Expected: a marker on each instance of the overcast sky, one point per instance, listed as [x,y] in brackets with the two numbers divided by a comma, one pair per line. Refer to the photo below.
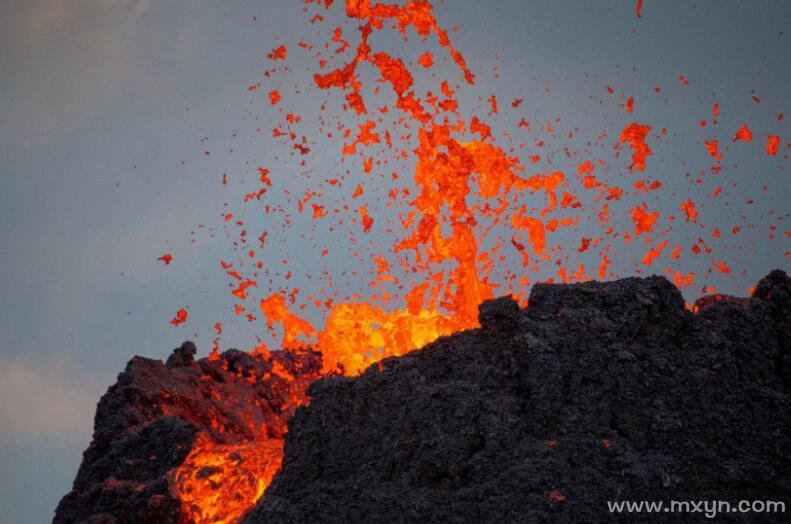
[107,107]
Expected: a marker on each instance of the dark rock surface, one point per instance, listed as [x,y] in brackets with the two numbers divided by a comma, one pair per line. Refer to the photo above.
[595,392]
[148,422]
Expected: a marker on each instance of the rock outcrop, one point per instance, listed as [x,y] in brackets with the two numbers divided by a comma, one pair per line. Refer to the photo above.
[158,417]
[595,392]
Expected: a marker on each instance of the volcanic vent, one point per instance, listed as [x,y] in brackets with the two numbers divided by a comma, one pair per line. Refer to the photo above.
[594,392]
[595,389]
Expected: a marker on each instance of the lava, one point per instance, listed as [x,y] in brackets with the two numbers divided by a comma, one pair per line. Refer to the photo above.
[744,134]
[474,221]
[215,478]
[244,404]
[635,135]
[179,318]
[772,144]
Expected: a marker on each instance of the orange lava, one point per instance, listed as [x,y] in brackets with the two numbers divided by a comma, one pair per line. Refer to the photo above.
[635,135]
[221,482]
[179,318]
[227,470]
[772,144]
[444,252]
[744,134]
[712,146]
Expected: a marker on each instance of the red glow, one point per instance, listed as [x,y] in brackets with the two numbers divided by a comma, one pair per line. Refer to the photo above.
[179,318]
[635,135]
[744,134]
[772,144]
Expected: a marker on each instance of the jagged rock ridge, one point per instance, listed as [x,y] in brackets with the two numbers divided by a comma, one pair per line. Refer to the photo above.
[594,392]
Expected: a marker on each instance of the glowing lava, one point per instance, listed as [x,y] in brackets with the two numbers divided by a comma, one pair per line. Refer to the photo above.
[221,482]
[473,223]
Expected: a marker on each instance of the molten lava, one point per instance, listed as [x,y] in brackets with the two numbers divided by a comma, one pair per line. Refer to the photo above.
[473,222]
[219,482]
[230,466]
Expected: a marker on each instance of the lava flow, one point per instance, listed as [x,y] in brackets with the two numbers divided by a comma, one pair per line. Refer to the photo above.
[245,408]
[474,221]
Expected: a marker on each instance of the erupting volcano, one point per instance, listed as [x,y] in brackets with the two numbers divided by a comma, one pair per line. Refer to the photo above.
[429,210]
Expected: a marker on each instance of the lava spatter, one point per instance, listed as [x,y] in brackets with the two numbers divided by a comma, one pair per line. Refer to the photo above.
[454,217]
[634,135]
[179,318]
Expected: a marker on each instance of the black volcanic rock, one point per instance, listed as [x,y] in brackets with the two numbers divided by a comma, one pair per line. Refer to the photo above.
[147,424]
[595,392]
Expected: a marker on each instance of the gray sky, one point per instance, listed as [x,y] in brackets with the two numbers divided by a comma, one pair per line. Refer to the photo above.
[107,107]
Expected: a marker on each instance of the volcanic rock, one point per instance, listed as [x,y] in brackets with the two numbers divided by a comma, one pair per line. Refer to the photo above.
[149,422]
[595,392]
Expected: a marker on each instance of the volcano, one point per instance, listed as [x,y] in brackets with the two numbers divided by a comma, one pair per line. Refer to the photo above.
[594,392]
[515,409]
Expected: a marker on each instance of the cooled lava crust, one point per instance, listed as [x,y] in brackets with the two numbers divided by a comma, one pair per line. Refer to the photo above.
[595,392]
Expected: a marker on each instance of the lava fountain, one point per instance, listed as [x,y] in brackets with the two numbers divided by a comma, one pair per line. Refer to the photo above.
[478,218]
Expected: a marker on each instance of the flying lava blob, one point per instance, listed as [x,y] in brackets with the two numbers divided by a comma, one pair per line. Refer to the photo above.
[434,204]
